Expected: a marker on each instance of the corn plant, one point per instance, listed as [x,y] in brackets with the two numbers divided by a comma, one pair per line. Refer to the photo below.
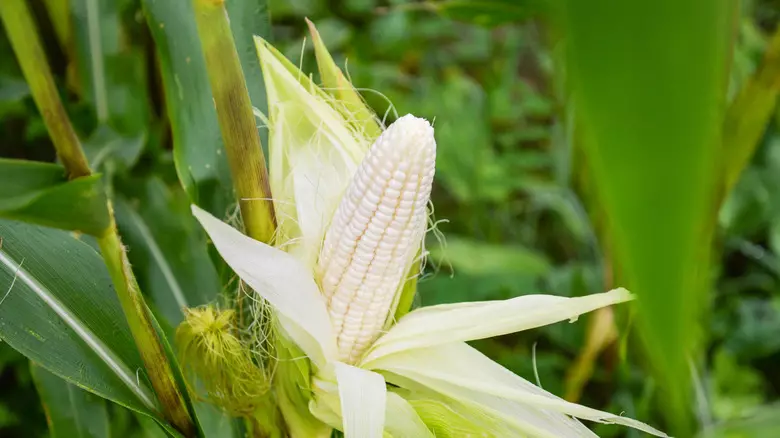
[313,332]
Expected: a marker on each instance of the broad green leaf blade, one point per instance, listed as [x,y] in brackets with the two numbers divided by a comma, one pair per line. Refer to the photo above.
[448,323]
[168,249]
[197,143]
[216,423]
[59,309]
[282,280]
[106,145]
[648,82]
[363,397]
[70,411]
[41,193]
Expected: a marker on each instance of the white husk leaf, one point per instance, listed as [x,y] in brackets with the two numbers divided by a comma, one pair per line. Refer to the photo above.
[461,372]
[493,416]
[282,280]
[363,396]
[446,323]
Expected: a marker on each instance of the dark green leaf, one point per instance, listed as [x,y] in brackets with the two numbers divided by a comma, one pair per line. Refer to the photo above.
[197,142]
[112,78]
[107,145]
[40,193]
[70,411]
[60,310]
[167,249]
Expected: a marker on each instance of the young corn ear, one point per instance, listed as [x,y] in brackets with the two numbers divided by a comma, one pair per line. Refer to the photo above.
[376,232]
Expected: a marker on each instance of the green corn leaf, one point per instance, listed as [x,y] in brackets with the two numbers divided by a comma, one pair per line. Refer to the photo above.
[41,193]
[198,150]
[70,411]
[168,249]
[648,84]
[112,78]
[59,310]
[111,74]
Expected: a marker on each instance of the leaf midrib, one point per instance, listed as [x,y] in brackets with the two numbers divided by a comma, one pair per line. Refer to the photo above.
[120,369]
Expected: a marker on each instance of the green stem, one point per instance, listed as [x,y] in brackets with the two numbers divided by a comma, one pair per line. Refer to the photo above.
[139,319]
[24,39]
[236,120]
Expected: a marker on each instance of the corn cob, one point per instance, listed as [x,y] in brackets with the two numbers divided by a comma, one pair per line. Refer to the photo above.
[376,232]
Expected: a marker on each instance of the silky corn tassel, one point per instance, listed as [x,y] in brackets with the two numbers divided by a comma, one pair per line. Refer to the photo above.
[376,232]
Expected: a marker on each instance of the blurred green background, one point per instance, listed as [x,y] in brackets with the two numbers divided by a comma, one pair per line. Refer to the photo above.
[512,199]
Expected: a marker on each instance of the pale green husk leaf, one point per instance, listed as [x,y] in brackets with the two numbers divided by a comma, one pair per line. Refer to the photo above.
[313,154]
[446,323]
[463,373]
[403,421]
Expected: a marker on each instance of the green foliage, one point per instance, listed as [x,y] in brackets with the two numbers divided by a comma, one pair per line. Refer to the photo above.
[166,248]
[516,196]
[649,124]
[197,144]
[70,411]
[63,313]
[40,193]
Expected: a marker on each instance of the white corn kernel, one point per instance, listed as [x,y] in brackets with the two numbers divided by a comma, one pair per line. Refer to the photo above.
[376,232]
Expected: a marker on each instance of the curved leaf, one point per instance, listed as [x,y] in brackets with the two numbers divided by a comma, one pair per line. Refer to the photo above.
[448,323]
[282,280]
[59,309]
[41,193]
